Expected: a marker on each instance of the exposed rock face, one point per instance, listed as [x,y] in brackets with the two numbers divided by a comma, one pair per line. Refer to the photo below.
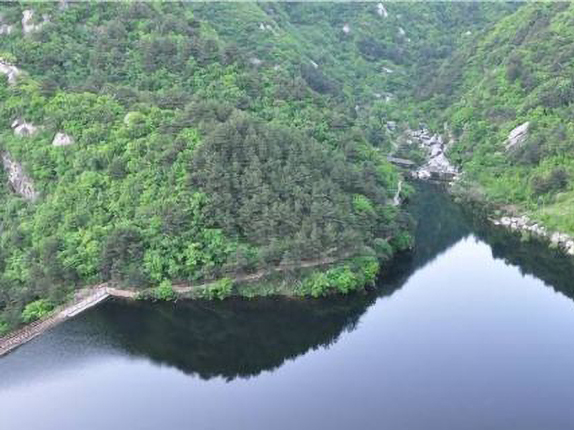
[62,139]
[28,25]
[18,180]
[524,224]
[266,27]
[387,96]
[382,11]
[517,136]
[9,70]
[255,61]
[397,196]
[23,128]
[438,164]
[5,28]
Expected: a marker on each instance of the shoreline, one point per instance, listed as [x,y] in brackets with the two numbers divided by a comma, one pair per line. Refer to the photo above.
[498,216]
[89,297]
[84,300]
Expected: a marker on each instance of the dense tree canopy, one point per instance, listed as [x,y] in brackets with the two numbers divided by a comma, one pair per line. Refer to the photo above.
[519,72]
[208,140]
[213,139]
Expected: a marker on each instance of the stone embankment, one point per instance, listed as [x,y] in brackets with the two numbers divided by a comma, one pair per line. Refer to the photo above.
[517,136]
[28,22]
[83,301]
[5,29]
[523,224]
[62,139]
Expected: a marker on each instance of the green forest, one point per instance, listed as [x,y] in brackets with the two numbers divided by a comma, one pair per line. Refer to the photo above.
[520,72]
[156,144]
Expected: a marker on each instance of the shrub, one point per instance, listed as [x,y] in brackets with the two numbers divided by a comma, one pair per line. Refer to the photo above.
[219,290]
[557,180]
[164,291]
[362,205]
[402,241]
[369,269]
[383,248]
[317,284]
[36,310]
[343,279]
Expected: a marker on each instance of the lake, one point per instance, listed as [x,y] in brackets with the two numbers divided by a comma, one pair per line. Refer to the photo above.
[473,330]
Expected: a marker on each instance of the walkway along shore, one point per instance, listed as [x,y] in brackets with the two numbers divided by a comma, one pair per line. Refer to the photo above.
[90,297]
[87,299]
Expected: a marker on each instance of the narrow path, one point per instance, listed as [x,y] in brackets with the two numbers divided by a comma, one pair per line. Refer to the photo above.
[91,297]
[85,300]
[182,289]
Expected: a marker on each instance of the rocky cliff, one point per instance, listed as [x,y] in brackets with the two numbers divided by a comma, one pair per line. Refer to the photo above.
[20,182]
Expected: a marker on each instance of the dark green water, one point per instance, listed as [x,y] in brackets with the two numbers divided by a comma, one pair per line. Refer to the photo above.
[474,330]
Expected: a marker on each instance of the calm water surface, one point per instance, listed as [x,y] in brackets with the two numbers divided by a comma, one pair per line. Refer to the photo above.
[473,331]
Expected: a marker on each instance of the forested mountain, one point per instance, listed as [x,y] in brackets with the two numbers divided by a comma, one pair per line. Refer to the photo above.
[509,98]
[150,143]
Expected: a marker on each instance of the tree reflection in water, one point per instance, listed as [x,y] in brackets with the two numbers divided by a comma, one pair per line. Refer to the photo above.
[242,338]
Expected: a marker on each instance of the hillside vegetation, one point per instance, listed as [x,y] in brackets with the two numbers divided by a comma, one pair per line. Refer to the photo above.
[521,72]
[189,155]
[160,143]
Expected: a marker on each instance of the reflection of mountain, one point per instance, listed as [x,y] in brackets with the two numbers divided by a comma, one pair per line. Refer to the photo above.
[233,338]
[241,338]
[533,258]
[440,223]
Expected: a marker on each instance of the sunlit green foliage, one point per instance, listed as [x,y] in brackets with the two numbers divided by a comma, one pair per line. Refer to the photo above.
[36,310]
[520,71]
[164,291]
[212,139]
[344,279]
[3,327]
[219,290]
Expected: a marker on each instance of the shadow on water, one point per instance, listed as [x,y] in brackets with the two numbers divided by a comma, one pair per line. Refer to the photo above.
[532,257]
[440,224]
[230,339]
[242,338]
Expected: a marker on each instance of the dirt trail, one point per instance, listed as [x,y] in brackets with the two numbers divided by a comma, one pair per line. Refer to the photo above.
[182,289]
[93,296]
